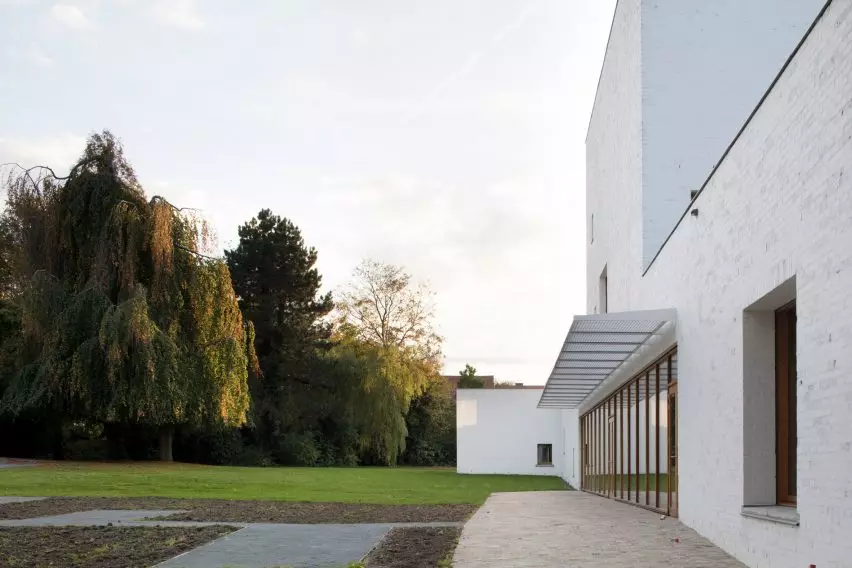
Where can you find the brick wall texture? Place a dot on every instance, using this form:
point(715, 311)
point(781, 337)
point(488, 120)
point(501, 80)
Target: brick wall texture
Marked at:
point(779, 206)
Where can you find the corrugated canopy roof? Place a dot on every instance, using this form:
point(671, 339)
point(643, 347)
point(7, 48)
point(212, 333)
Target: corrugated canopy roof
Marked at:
point(597, 346)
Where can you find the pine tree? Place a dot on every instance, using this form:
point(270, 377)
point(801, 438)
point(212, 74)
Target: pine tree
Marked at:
point(275, 277)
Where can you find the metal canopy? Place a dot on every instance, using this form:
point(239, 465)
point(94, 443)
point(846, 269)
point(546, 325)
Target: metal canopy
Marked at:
point(596, 347)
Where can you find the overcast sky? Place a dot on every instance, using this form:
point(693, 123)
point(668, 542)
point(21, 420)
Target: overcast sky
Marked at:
point(443, 135)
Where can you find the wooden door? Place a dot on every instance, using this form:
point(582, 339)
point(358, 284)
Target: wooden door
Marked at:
point(673, 435)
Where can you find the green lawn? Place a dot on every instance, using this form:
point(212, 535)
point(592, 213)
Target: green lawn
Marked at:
point(340, 485)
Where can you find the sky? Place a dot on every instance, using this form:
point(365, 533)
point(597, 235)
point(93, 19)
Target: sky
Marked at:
point(446, 136)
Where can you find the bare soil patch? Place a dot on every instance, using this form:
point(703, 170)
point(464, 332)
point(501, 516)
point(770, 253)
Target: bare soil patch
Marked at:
point(220, 510)
point(415, 547)
point(99, 547)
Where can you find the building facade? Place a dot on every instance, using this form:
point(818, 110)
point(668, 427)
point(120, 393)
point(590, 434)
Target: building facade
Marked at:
point(502, 431)
point(713, 375)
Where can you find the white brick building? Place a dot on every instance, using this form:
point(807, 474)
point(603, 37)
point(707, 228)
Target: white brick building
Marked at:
point(719, 277)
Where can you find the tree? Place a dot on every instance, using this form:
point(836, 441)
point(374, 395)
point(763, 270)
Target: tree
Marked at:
point(468, 378)
point(275, 277)
point(382, 306)
point(124, 319)
point(385, 329)
point(431, 424)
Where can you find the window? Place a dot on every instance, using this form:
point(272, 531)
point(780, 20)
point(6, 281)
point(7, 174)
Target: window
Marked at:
point(785, 404)
point(603, 292)
point(592, 229)
point(545, 454)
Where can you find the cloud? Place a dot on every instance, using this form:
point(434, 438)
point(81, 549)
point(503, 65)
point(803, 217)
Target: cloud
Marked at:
point(70, 15)
point(180, 14)
point(39, 57)
point(360, 38)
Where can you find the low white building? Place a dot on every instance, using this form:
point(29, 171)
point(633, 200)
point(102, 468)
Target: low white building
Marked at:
point(713, 375)
point(504, 431)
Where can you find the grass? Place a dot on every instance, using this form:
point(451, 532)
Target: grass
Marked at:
point(336, 485)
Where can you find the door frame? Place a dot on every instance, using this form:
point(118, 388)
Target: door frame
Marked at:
point(673, 433)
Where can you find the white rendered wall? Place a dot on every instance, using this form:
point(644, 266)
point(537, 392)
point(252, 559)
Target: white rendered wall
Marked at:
point(705, 66)
point(498, 431)
point(779, 207)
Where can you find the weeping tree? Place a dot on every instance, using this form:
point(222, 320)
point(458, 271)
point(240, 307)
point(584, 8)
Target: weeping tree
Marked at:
point(384, 325)
point(124, 318)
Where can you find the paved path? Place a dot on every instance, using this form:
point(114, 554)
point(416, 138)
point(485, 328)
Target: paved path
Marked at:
point(260, 546)
point(6, 499)
point(6, 463)
point(254, 545)
point(573, 529)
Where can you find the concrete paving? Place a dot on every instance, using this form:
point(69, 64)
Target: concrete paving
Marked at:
point(7, 499)
point(6, 463)
point(262, 546)
point(254, 545)
point(574, 529)
point(124, 518)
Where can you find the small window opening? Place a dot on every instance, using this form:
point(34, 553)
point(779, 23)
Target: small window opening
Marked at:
point(545, 454)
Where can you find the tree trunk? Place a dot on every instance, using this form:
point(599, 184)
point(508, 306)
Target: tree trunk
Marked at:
point(166, 443)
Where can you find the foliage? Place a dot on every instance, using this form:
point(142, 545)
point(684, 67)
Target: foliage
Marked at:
point(387, 342)
point(382, 306)
point(117, 325)
point(275, 277)
point(431, 424)
point(398, 485)
point(123, 318)
point(469, 380)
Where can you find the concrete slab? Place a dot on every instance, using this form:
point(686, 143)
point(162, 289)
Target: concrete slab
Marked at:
point(254, 545)
point(125, 518)
point(10, 499)
point(6, 463)
point(571, 528)
point(297, 546)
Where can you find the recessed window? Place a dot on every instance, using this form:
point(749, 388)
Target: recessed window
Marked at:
point(603, 292)
point(545, 454)
point(785, 404)
point(592, 229)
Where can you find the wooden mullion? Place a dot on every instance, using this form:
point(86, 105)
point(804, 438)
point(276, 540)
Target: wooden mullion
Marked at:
point(647, 435)
point(597, 451)
point(638, 405)
point(628, 436)
point(621, 441)
point(616, 435)
point(657, 440)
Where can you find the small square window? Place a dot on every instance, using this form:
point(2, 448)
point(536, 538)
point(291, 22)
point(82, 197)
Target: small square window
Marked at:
point(545, 454)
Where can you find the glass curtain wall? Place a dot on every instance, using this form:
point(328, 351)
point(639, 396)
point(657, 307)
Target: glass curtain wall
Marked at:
point(629, 448)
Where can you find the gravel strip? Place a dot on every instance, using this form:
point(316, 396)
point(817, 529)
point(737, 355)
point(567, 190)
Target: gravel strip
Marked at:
point(420, 547)
point(99, 547)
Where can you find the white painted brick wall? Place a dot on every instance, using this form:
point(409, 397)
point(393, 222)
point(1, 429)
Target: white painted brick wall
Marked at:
point(779, 206)
point(616, 173)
